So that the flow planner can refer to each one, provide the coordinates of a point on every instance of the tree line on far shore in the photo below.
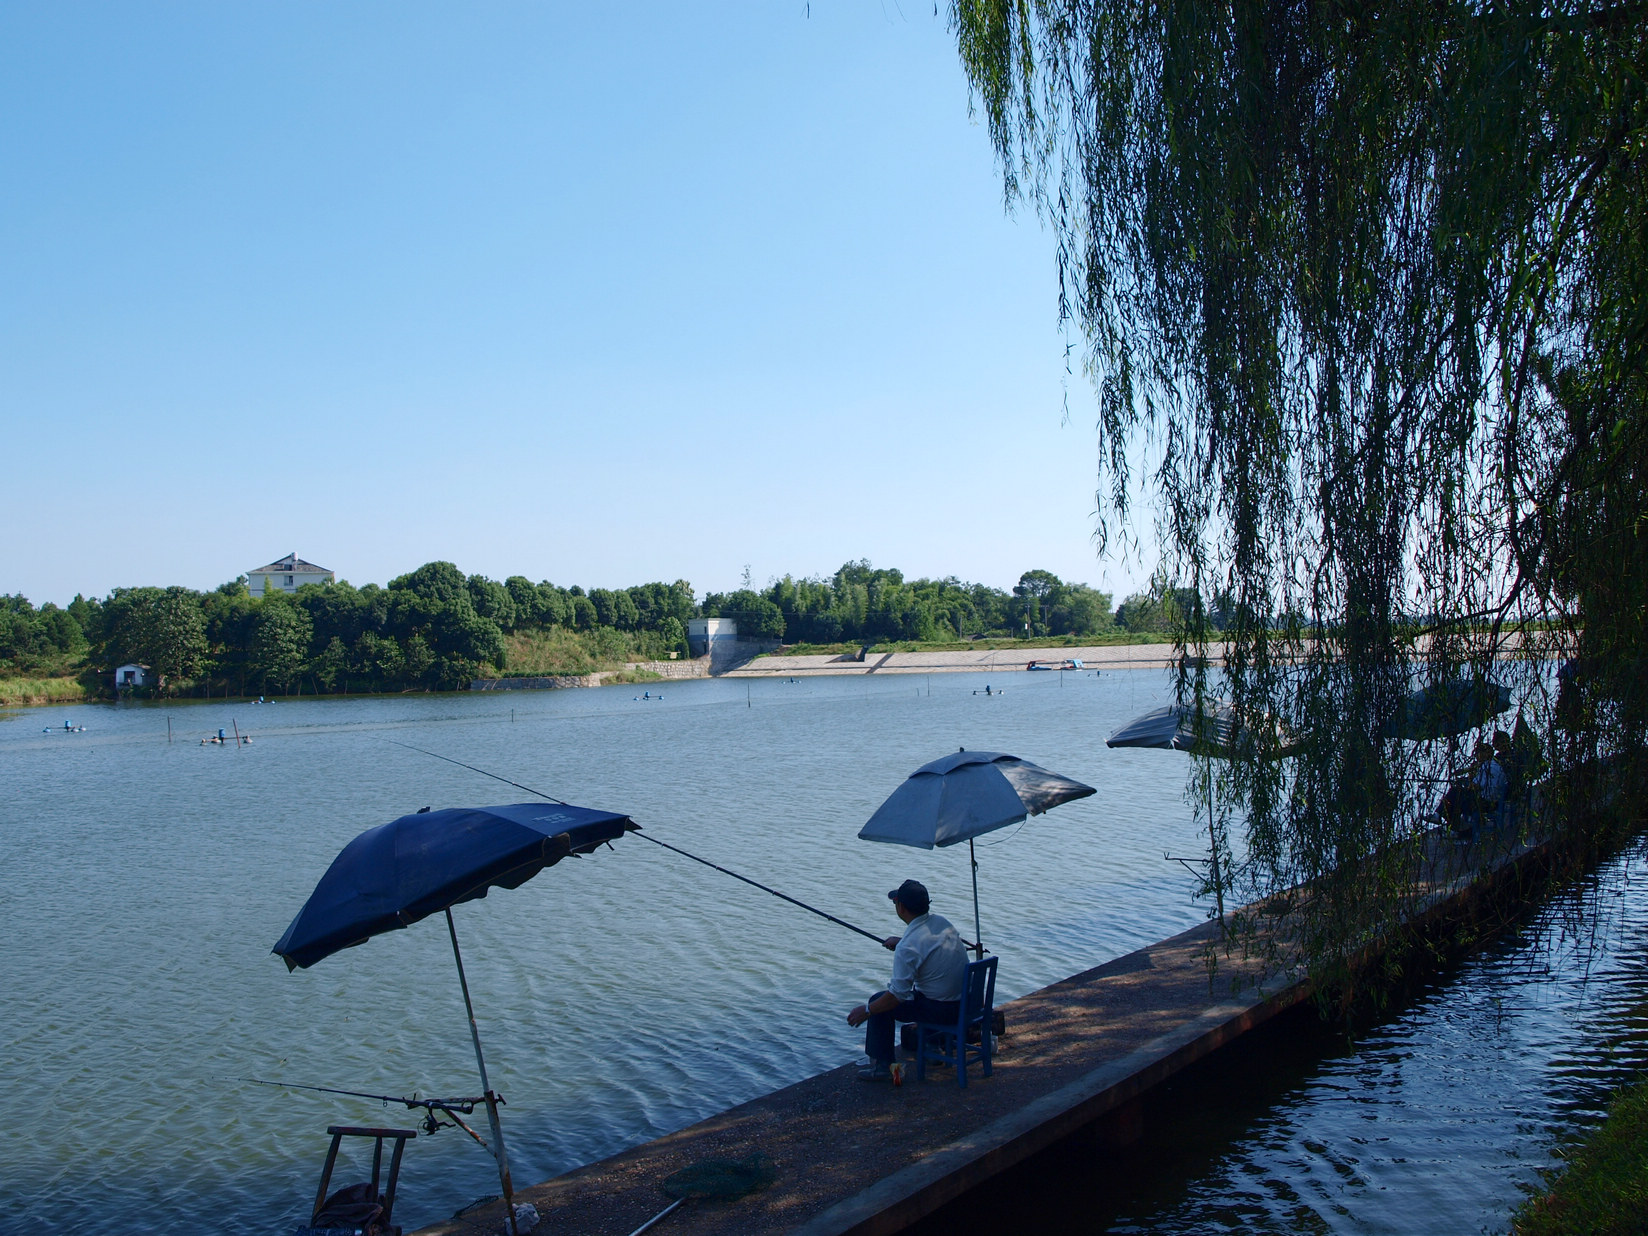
(437, 629)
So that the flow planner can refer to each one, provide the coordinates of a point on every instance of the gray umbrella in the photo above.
(962, 796)
(1178, 728)
(1174, 728)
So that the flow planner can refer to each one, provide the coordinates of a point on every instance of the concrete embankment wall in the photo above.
(698, 667)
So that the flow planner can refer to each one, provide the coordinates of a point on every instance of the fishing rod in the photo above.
(868, 935)
(430, 1122)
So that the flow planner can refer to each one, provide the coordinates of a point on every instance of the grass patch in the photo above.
(17, 691)
(558, 651)
(632, 675)
(1604, 1188)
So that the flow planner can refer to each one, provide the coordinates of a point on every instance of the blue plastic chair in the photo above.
(948, 1044)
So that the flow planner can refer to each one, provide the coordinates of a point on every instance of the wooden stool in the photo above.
(370, 1193)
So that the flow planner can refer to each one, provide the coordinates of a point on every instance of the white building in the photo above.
(703, 634)
(287, 574)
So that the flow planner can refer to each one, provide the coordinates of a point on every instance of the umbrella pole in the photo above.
(978, 934)
(486, 1087)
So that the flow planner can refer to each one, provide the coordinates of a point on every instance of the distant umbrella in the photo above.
(391, 876)
(1175, 728)
(1213, 732)
(1448, 709)
(962, 796)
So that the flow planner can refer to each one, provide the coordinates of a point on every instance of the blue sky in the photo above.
(586, 293)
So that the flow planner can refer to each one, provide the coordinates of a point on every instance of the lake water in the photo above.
(629, 994)
(619, 997)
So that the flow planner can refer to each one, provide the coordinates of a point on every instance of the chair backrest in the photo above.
(978, 990)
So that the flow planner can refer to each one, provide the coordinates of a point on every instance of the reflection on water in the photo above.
(1437, 1118)
(619, 997)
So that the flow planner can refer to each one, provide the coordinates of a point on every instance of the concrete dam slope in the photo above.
(983, 660)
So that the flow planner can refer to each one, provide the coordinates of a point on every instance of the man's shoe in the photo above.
(878, 1072)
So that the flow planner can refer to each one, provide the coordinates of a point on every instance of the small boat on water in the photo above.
(1069, 663)
(224, 739)
(68, 727)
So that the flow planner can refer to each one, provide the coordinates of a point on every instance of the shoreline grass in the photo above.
(1603, 1189)
(24, 692)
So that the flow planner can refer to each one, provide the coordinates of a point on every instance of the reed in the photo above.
(17, 691)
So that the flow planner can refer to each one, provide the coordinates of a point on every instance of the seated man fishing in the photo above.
(929, 971)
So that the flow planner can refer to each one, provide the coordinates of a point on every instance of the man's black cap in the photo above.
(912, 895)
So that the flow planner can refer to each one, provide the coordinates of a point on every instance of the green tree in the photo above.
(1036, 589)
(674, 636)
(1079, 610)
(331, 664)
(434, 581)
(756, 616)
(164, 629)
(493, 601)
(177, 635)
(279, 646)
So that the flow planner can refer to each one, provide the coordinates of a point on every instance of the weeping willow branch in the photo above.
(1370, 279)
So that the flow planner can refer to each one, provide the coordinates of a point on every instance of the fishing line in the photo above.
(1007, 838)
(764, 888)
(683, 853)
(483, 772)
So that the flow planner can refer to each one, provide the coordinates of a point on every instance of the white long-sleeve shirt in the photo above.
(1490, 783)
(930, 958)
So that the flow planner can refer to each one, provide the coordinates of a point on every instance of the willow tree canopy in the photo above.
(1364, 285)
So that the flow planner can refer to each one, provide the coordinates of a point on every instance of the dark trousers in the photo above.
(878, 1031)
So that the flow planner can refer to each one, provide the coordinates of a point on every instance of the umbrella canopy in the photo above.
(1174, 729)
(960, 796)
(1448, 709)
(964, 795)
(397, 873)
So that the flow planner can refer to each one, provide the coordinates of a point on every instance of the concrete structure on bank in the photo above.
(287, 574)
(704, 634)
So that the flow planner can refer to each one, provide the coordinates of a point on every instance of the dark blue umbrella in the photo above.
(391, 876)
(397, 873)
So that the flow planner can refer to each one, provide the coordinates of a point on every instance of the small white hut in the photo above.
(131, 675)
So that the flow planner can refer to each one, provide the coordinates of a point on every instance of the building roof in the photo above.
(287, 565)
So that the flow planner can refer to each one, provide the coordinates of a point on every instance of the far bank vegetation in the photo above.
(436, 629)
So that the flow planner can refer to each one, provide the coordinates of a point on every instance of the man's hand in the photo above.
(858, 1015)
(890, 944)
